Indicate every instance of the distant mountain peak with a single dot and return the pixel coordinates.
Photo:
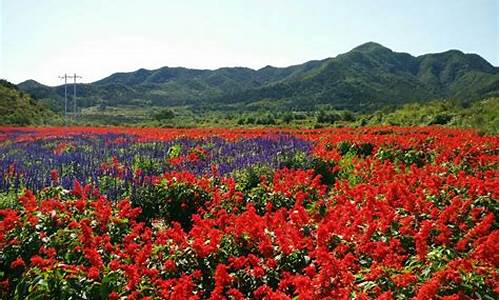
(370, 46)
(454, 51)
(142, 71)
(30, 83)
(267, 67)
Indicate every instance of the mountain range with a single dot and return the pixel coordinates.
(366, 78)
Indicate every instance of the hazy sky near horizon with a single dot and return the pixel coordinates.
(95, 38)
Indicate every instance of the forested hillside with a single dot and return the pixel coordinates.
(366, 78)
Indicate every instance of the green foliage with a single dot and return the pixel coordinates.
(481, 115)
(170, 201)
(441, 119)
(8, 200)
(361, 149)
(325, 169)
(406, 156)
(165, 114)
(287, 117)
(249, 178)
(19, 109)
(332, 117)
(267, 119)
(295, 160)
(324, 117)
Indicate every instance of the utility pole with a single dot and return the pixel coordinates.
(74, 94)
(65, 94)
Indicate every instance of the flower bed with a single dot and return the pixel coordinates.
(379, 213)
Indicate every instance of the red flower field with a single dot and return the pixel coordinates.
(371, 213)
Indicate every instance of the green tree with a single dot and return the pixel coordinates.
(165, 114)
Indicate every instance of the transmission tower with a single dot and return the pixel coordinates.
(65, 94)
(66, 110)
(74, 94)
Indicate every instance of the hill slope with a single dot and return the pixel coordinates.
(18, 108)
(366, 78)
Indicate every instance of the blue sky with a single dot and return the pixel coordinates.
(43, 39)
